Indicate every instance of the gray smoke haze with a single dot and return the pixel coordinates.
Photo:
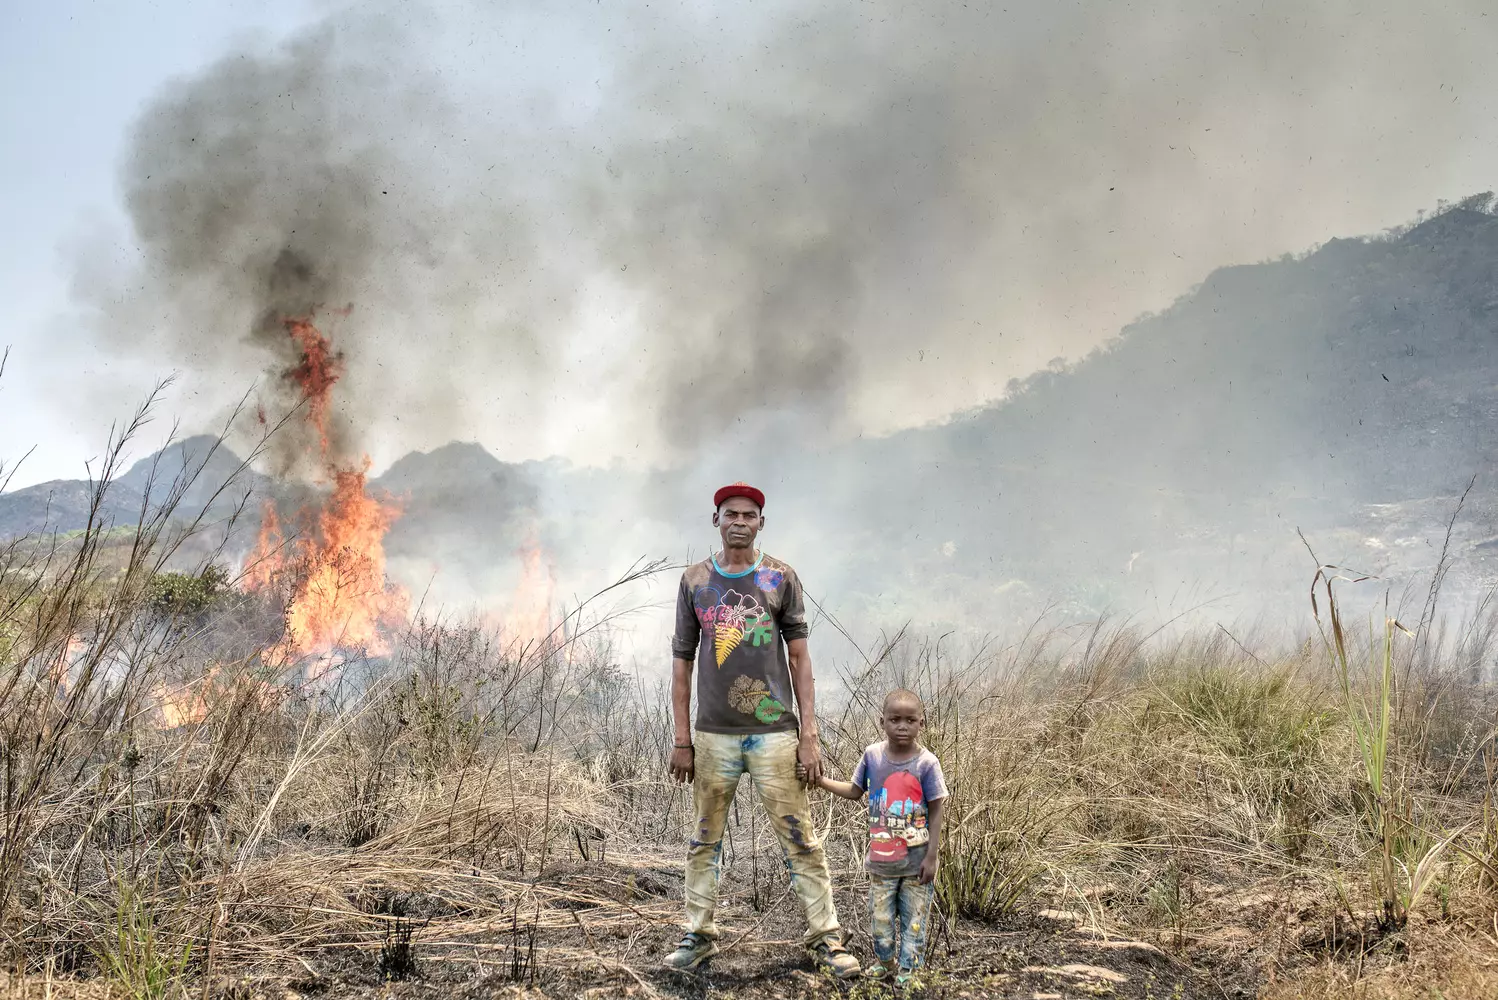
(816, 206)
(645, 233)
(281, 185)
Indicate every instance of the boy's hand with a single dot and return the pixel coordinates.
(929, 866)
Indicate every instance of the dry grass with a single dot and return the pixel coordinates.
(470, 799)
(1219, 800)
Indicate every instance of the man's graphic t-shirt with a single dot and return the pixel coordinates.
(737, 625)
(899, 792)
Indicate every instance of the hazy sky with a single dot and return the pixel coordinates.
(73, 76)
(626, 232)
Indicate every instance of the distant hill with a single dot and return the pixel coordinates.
(1366, 372)
(64, 505)
(462, 509)
(1351, 391)
(1343, 392)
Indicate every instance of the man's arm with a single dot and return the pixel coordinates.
(683, 758)
(809, 753)
(932, 862)
(684, 642)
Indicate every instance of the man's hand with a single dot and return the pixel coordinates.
(929, 866)
(809, 759)
(683, 764)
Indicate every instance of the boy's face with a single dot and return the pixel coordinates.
(902, 720)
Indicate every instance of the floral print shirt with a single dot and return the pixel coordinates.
(737, 625)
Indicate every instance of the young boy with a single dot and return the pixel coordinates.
(906, 791)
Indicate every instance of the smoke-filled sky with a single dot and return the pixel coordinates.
(642, 233)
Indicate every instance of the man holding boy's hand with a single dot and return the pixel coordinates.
(741, 620)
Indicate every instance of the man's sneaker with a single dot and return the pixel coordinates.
(692, 952)
(832, 957)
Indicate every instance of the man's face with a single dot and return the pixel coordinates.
(739, 522)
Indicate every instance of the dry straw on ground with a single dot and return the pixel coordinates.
(180, 814)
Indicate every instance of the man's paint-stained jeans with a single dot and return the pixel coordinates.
(770, 759)
(899, 904)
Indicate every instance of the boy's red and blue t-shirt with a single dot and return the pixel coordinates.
(899, 792)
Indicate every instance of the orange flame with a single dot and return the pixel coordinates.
(338, 596)
(316, 374)
(265, 560)
(530, 612)
(343, 599)
(180, 706)
(60, 673)
(191, 703)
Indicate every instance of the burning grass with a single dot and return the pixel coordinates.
(184, 811)
(330, 574)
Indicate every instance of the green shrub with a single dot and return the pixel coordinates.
(183, 595)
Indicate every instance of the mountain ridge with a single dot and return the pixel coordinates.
(1299, 392)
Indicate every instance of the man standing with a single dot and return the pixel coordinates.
(738, 614)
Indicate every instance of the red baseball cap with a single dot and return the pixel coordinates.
(738, 490)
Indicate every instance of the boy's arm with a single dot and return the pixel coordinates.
(842, 789)
(932, 861)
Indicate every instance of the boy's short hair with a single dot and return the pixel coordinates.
(903, 695)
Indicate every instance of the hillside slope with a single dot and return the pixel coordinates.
(1351, 392)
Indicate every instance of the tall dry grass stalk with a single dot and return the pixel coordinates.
(1408, 854)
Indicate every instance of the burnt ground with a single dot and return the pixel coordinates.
(1031, 959)
(1045, 955)
(623, 918)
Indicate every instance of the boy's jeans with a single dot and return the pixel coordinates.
(770, 759)
(901, 903)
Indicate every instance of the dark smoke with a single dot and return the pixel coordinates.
(781, 251)
(806, 219)
(875, 212)
(306, 182)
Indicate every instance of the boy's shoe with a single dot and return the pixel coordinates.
(878, 971)
(906, 979)
(692, 952)
(832, 957)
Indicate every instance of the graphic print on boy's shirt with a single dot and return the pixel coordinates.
(898, 793)
(736, 627)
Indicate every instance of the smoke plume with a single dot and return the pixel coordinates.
(654, 234)
(318, 180)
